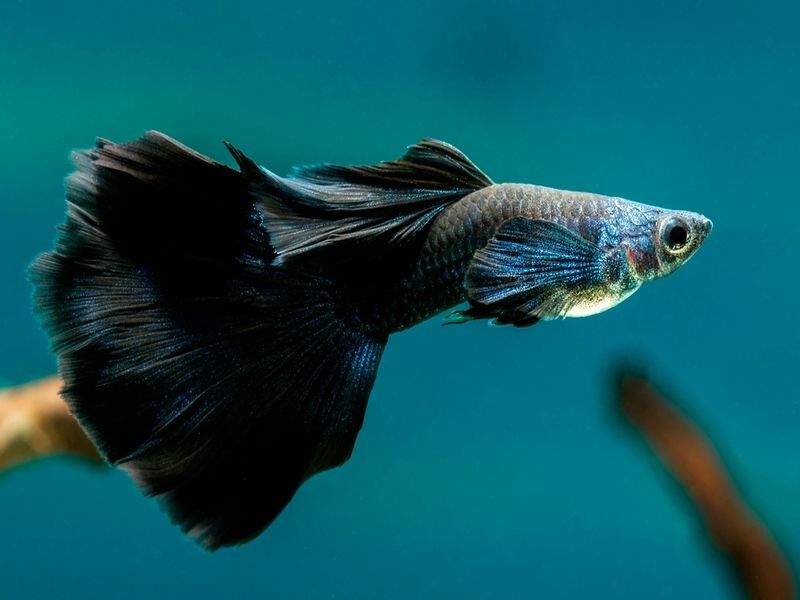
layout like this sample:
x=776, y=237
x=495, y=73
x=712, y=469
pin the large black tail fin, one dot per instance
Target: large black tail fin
x=219, y=381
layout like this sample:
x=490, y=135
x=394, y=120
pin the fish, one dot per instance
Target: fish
x=219, y=330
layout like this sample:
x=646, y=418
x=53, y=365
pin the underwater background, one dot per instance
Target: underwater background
x=491, y=463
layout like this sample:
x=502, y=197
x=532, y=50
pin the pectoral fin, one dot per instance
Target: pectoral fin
x=530, y=270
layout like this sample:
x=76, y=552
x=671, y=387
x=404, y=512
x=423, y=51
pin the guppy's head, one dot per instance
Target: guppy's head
x=664, y=240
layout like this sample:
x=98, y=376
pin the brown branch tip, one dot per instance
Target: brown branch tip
x=35, y=422
x=732, y=528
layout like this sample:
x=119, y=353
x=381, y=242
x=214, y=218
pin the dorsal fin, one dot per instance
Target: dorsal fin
x=356, y=214
x=430, y=164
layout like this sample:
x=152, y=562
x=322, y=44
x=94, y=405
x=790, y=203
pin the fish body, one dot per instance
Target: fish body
x=436, y=280
x=219, y=331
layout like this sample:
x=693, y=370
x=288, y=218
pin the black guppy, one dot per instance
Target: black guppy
x=219, y=331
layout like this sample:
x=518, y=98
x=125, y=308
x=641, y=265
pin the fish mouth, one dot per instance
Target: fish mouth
x=704, y=227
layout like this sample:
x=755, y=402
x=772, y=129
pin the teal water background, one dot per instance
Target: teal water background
x=490, y=464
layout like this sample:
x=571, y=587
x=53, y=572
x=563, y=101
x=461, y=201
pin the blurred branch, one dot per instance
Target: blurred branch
x=35, y=422
x=731, y=526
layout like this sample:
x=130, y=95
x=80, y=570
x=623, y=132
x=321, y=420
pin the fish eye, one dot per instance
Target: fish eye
x=674, y=234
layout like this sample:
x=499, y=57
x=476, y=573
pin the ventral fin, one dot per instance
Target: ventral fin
x=530, y=270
